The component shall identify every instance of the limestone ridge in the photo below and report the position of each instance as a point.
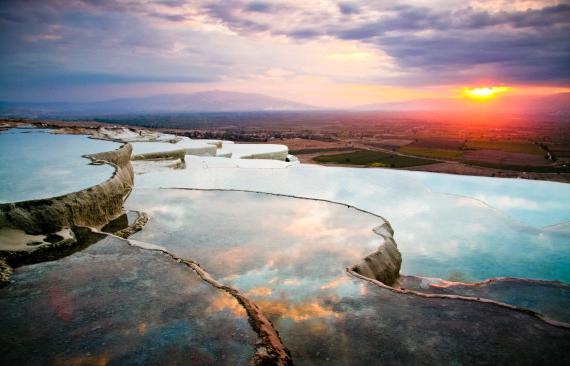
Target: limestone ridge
(269, 348)
(162, 155)
(384, 264)
(91, 207)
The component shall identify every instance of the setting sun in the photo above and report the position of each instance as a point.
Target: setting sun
(484, 93)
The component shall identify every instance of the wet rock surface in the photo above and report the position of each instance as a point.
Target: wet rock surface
(72, 240)
(117, 304)
(127, 224)
(379, 326)
(166, 155)
(40, 230)
(6, 272)
(383, 265)
(296, 277)
(551, 298)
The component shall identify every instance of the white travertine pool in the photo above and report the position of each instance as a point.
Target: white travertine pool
(36, 164)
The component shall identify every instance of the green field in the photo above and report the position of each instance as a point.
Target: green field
(319, 150)
(508, 146)
(431, 152)
(521, 168)
(373, 159)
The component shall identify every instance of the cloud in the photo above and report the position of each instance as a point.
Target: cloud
(67, 78)
(170, 17)
(411, 19)
(348, 8)
(43, 37)
(304, 33)
(519, 45)
(414, 42)
(228, 14)
(259, 7)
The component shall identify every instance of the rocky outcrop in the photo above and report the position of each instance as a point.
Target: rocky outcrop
(78, 238)
(125, 134)
(119, 158)
(269, 348)
(136, 226)
(274, 155)
(6, 272)
(384, 264)
(258, 151)
(199, 147)
(92, 207)
(162, 155)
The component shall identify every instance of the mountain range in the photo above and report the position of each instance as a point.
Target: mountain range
(208, 101)
(223, 101)
(555, 105)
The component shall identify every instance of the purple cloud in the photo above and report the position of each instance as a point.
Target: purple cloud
(166, 39)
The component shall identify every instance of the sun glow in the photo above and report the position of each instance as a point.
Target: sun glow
(484, 93)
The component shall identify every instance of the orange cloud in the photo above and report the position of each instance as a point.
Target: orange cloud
(296, 312)
(335, 282)
(259, 291)
(226, 302)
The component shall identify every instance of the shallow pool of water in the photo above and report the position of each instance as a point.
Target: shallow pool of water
(299, 243)
(36, 164)
(119, 305)
(289, 256)
(537, 203)
(442, 235)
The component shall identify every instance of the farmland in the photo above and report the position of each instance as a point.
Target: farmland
(372, 159)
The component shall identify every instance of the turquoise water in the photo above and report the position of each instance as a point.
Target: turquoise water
(256, 229)
(121, 305)
(289, 256)
(118, 305)
(36, 164)
(302, 244)
(440, 234)
(538, 203)
(452, 227)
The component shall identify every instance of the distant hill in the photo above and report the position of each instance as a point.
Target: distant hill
(209, 101)
(556, 104)
(223, 101)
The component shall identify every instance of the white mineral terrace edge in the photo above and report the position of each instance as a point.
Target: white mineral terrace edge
(36, 164)
(149, 144)
(93, 206)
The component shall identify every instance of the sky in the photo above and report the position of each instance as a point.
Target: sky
(320, 52)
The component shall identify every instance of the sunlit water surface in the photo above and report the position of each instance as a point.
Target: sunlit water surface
(289, 255)
(447, 235)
